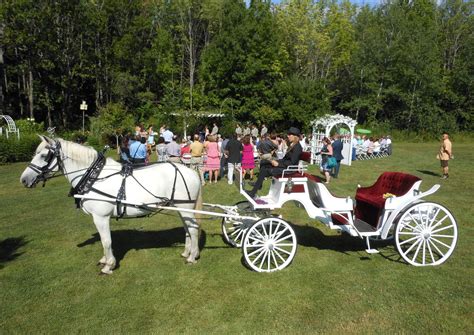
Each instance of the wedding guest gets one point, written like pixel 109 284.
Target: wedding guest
pixel 248 162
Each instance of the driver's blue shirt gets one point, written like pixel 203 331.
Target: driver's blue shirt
pixel 137 150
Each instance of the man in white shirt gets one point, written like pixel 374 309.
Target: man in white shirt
pixel 238 131
pixel 174 151
pixel 366 142
pixel 246 130
pixel 263 131
pixel 168 135
pixel 254 131
pixel 215 129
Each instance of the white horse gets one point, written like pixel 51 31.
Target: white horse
pixel 164 183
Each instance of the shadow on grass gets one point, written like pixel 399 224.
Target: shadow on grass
pixel 312 237
pixel 9 248
pixel 125 240
pixel 430 173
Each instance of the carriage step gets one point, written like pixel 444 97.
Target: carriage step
pixel 363 227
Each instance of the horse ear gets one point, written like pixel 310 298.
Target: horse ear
pixel 46 139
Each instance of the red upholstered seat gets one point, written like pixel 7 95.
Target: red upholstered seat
pixel 305 156
pixel 300 188
pixel 370 199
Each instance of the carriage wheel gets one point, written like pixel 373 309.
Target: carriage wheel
pixel 426 234
pixel 234 229
pixel 269 245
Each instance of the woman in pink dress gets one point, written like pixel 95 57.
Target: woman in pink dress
pixel 248 162
pixel 213 162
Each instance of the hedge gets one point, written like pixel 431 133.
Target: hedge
pixel 14 150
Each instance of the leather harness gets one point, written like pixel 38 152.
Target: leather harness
pixel 91 175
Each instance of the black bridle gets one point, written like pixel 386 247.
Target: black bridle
pixel 52 161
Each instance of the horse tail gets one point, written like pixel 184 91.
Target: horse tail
pixel 198 205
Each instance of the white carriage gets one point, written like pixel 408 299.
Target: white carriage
pixel 425 233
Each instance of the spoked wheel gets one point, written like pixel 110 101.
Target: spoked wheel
pixel 234 229
pixel 269 245
pixel 426 234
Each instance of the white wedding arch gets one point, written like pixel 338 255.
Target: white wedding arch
pixel 322 127
pixel 11 126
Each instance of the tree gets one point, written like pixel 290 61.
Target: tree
pixel 245 60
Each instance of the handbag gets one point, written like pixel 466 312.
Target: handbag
pixel 331 162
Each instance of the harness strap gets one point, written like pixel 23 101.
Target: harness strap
pixel 87 181
pixel 121 196
pixel 88 178
pixel 174 182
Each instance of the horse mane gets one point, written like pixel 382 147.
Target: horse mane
pixel 78 152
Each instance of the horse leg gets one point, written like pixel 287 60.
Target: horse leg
pixel 187 244
pixel 191 250
pixel 102 261
pixel 102 224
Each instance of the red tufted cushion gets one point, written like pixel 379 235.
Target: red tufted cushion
pixel 396 183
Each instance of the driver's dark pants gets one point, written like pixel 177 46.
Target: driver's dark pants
pixel 266 170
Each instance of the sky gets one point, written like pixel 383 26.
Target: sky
pixel 358 2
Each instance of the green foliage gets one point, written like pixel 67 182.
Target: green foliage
pixel 301 101
pixel 14 150
pixel 245 60
pixel 113 119
pixel 29 126
pixel 401 62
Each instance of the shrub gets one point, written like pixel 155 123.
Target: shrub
pixel 29 126
pixel 14 150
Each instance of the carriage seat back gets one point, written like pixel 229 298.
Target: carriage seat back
pixel 396 183
pixel 294 171
pixel 305 156
pixel 370 200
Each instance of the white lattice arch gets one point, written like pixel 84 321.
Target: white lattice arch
pixel 11 126
pixel 322 128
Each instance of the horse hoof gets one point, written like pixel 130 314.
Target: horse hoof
pixel 105 272
pixel 100 264
pixel 191 262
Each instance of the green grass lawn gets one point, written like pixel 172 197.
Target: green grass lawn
pixel 49 280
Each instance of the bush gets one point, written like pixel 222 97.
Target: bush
pixel 14 150
pixel 29 126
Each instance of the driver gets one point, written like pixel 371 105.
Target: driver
pixel 275 167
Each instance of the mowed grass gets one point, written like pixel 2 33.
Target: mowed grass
pixel 49 280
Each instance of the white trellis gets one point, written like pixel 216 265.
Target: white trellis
pixel 322 128
pixel 11 126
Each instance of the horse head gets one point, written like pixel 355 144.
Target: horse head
pixel 45 163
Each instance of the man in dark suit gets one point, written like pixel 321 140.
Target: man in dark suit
pixel 275 167
pixel 337 146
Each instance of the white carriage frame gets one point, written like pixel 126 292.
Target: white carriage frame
pixel 328 122
pixel 330 204
pixel 11 126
